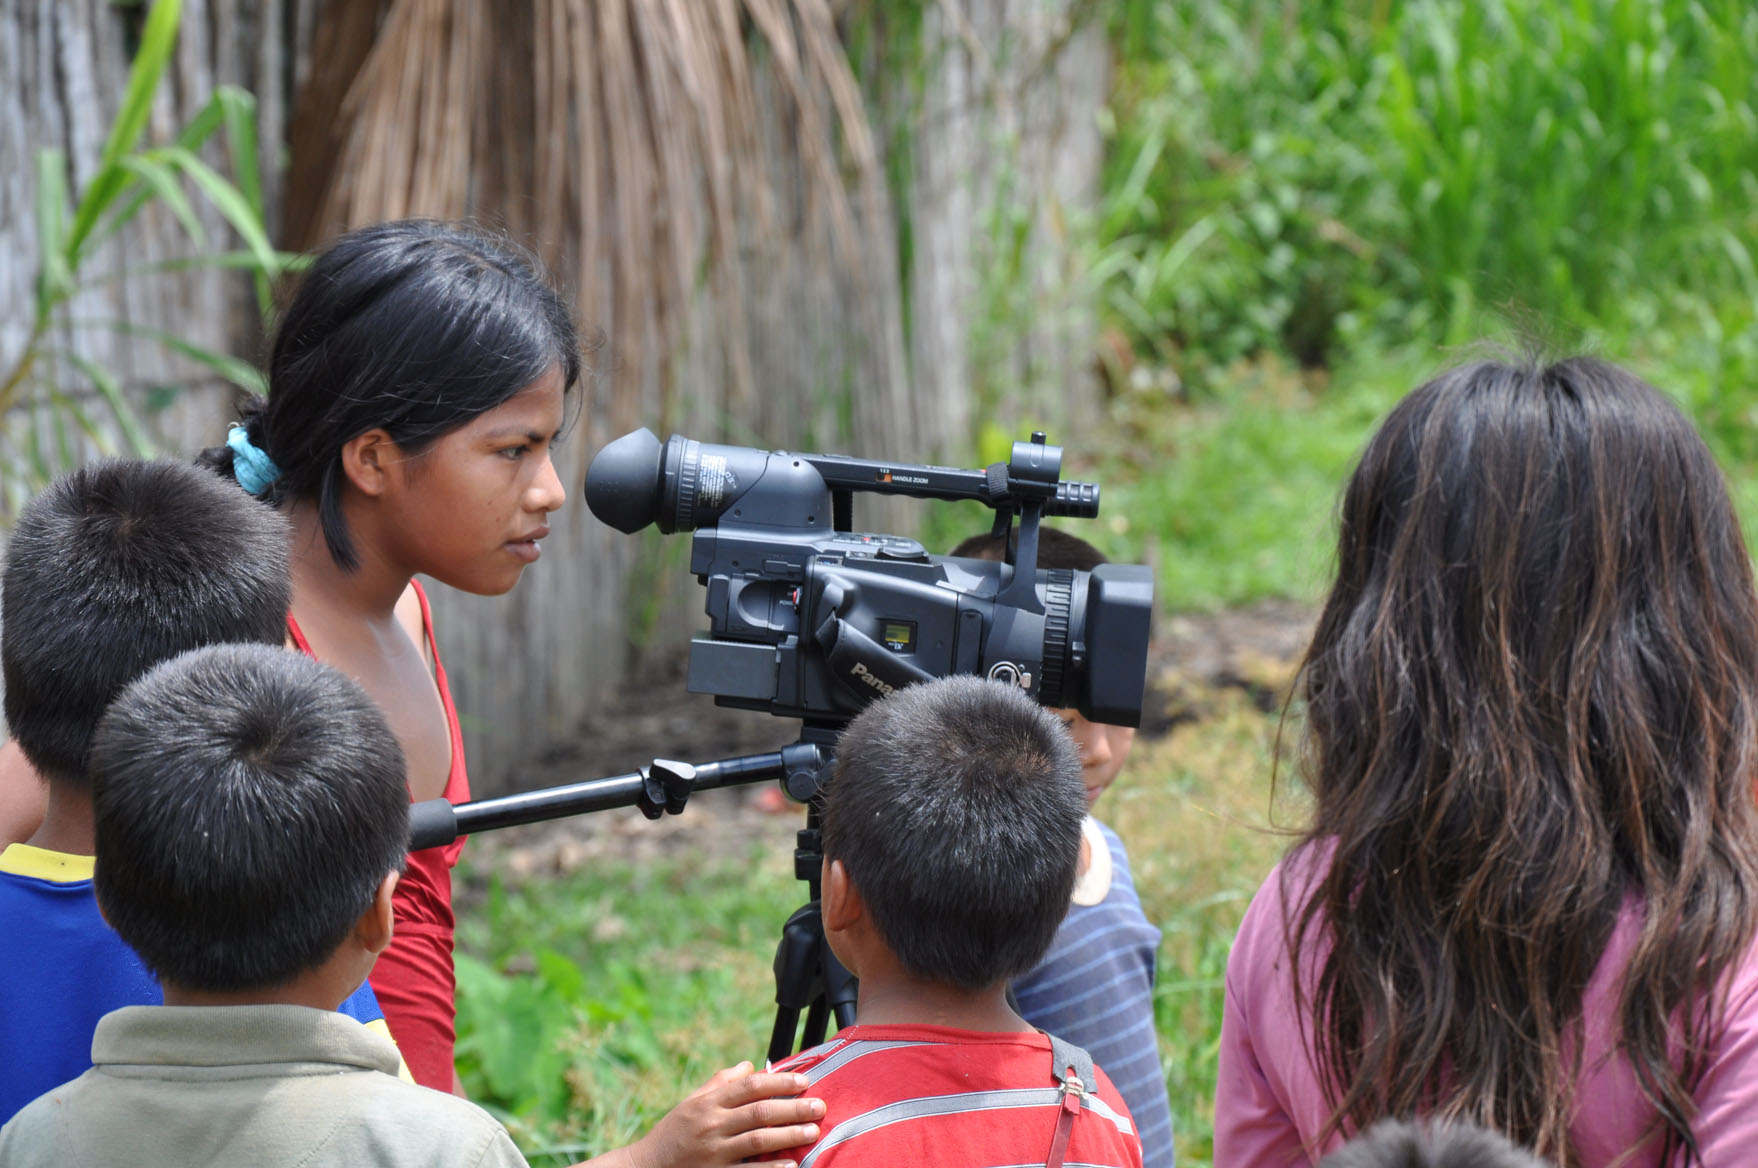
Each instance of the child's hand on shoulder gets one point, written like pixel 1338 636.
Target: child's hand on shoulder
pixel 739 1115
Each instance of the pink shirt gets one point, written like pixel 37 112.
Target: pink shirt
pixel 1270 1108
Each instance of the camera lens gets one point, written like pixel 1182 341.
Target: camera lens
pixel 1057 593
pixel 1119 616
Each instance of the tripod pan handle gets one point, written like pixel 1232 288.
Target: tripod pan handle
pixel 432 823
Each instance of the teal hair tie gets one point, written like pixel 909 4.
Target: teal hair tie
pixel 255 471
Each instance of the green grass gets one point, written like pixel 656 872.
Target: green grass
pixel 590 1004
pixel 1233 499
pixel 1232 502
pixel 1314 179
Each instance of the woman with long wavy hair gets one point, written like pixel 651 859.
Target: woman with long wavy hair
pixel 1526 896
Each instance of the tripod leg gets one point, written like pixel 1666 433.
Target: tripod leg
pixel 799 980
pixel 781 1039
pixel 816 1018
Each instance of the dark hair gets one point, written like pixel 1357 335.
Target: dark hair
pixel 112 569
pixel 956 807
pixel 1394 1143
pixel 415 327
pixel 1056 549
pixel 1532 693
pixel 247 802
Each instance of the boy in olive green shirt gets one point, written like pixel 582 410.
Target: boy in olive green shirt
pixel 252 819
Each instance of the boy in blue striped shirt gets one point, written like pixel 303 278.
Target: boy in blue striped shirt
pixel 1095 987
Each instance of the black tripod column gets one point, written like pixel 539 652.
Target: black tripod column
pixel 808 976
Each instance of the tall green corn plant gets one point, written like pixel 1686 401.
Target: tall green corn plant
pixel 1303 178
pixel 1574 156
pixel 46 403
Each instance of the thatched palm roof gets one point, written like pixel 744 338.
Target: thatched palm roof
pixel 634 143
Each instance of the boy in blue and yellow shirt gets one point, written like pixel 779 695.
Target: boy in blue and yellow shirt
pixel 110 570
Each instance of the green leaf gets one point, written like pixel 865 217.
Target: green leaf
pixel 152 170
pixel 41 469
pixel 156 42
pixel 517 1053
pixel 63 406
pixel 238 110
pixel 160 398
pixel 238 372
pixel 200 128
pixel 207 119
pixel 231 203
pixel 233 261
pixel 562 975
pixel 58 413
pixel 111 389
pixel 54 277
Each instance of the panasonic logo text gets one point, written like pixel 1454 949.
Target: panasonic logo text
pixel 883 687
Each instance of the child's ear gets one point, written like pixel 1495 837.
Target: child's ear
pixel 841 904
pixel 374 928
pixel 367 458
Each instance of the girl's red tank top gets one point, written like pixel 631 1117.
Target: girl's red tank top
pixel 414 979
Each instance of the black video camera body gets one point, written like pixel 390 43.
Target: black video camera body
pixel 810 620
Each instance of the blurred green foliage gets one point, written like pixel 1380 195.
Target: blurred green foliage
pixel 591 1002
pixel 1325 178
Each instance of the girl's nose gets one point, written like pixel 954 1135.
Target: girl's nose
pixel 546 493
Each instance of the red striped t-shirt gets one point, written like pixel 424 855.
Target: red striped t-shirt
pixel 951 1098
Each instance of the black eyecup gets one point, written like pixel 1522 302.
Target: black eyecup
pixel 624 484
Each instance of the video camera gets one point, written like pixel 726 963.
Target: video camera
pixel 810 620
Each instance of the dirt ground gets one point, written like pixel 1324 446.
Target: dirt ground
pixel 1254 649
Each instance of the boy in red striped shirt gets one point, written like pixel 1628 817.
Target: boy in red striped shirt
pixel 952 831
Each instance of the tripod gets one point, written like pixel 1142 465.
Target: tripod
pixel 807 974
pixel 808 977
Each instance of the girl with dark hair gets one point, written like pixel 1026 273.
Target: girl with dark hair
pixel 416 385
pixel 1526 896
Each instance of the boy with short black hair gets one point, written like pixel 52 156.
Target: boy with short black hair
pixel 951 833
pixel 1401 1143
pixel 1095 985
pixel 251 821
pixel 110 570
